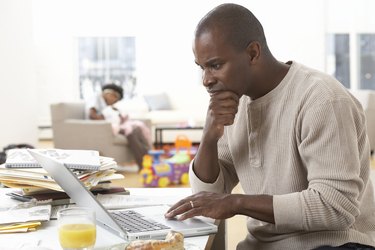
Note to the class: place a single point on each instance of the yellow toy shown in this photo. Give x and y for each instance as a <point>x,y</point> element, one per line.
<point>174,170</point>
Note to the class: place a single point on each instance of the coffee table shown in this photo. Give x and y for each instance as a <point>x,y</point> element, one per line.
<point>160,129</point>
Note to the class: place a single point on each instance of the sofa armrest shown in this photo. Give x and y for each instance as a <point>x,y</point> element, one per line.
<point>85,134</point>
<point>95,128</point>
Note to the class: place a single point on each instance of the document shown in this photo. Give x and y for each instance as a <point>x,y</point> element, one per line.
<point>19,214</point>
<point>20,227</point>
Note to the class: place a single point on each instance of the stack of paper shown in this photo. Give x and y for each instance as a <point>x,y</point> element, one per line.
<point>56,198</point>
<point>36,180</point>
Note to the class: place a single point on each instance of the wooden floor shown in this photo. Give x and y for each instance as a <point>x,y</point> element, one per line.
<point>236,226</point>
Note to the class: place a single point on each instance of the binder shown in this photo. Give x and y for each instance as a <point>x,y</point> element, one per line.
<point>74,159</point>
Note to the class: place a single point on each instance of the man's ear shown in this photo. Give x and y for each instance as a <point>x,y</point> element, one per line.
<point>253,51</point>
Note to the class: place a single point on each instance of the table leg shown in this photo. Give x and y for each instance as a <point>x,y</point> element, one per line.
<point>158,138</point>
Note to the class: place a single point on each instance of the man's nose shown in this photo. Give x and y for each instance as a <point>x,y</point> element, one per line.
<point>207,78</point>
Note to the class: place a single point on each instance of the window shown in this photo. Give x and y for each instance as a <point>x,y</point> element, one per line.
<point>106,59</point>
<point>338,57</point>
<point>367,61</point>
<point>351,59</point>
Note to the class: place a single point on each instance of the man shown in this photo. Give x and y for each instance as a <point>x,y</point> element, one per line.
<point>293,137</point>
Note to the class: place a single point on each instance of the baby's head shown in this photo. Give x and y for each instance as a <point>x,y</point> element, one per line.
<point>112,93</point>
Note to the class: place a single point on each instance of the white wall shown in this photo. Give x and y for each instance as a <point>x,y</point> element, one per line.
<point>295,30</point>
<point>18,123</point>
<point>164,32</point>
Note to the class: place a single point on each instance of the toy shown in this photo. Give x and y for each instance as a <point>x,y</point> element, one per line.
<point>159,172</point>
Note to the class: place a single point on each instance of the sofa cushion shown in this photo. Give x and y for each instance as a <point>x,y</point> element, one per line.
<point>120,140</point>
<point>158,102</point>
<point>163,117</point>
<point>71,110</point>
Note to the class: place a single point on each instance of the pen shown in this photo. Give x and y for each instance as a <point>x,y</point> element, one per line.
<point>19,197</point>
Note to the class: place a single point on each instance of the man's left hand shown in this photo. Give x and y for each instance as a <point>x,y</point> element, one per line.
<point>213,205</point>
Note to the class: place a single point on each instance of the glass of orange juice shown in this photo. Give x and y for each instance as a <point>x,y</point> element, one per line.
<point>77,228</point>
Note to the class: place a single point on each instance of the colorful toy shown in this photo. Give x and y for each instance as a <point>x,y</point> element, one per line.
<point>161,172</point>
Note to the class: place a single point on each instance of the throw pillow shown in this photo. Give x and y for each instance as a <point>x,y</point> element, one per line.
<point>158,102</point>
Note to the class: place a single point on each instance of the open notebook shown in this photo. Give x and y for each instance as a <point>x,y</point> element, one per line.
<point>119,221</point>
<point>75,159</point>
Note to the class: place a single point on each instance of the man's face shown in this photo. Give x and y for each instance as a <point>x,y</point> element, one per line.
<point>224,68</point>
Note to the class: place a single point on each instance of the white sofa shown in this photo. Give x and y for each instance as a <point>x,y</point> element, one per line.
<point>72,131</point>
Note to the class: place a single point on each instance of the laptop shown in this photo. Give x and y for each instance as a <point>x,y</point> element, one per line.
<point>118,221</point>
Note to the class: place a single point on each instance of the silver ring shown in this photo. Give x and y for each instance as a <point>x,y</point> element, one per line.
<point>191,204</point>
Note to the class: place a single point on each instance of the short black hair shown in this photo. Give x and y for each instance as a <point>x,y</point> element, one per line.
<point>237,23</point>
<point>114,87</point>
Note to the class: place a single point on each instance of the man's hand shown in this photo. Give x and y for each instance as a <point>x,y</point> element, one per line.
<point>223,206</point>
<point>216,206</point>
<point>221,112</point>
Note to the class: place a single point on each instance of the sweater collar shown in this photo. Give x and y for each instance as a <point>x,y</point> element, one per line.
<point>278,90</point>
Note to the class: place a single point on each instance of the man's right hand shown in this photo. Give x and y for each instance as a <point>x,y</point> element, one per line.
<point>221,112</point>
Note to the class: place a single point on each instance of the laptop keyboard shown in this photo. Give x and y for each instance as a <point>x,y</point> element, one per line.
<point>134,222</point>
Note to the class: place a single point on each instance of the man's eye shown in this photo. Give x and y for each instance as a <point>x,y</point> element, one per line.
<point>216,66</point>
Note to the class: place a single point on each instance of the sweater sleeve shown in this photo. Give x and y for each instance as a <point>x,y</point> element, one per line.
<point>333,146</point>
<point>197,185</point>
<point>227,178</point>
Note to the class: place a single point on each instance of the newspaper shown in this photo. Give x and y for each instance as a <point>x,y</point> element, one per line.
<point>24,213</point>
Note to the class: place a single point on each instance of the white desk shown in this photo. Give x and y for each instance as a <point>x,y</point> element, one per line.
<point>47,236</point>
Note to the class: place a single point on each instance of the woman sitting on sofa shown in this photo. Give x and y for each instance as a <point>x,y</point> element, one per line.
<point>104,107</point>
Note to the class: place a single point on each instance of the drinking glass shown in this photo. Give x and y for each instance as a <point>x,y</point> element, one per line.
<point>77,228</point>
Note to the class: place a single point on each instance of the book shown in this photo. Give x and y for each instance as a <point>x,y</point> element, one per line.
<point>20,183</point>
<point>39,181</point>
<point>74,159</point>
<point>21,174</point>
<point>62,195</point>
<point>26,183</point>
<point>107,163</point>
<point>61,198</point>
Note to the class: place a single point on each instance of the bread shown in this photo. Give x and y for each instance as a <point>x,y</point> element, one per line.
<point>173,241</point>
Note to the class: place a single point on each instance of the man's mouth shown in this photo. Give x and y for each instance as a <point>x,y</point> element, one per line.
<point>216,87</point>
<point>213,91</point>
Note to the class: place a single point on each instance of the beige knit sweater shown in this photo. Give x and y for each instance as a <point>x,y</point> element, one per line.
<point>305,143</point>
